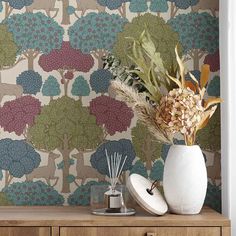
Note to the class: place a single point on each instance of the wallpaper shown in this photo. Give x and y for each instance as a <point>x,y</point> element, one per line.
<point>57,113</point>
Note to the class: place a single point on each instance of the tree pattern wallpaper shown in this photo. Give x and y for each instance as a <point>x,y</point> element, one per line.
<point>58,115</point>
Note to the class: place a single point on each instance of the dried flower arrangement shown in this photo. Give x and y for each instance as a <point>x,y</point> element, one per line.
<point>166,104</point>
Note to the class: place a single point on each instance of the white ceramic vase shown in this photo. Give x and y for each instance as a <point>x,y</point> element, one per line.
<point>185,179</point>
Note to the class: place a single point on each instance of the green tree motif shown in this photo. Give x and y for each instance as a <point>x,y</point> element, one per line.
<point>163,36</point>
<point>4,201</point>
<point>35,33</point>
<point>176,5</point>
<point>65,125</point>
<point>209,138</point>
<point>95,33</point>
<point>80,87</point>
<point>159,6</point>
<point>199,34</point>
<point>146,146</point>
<point>51,87</point>
<point>138,6</point>
<point>8,49</point>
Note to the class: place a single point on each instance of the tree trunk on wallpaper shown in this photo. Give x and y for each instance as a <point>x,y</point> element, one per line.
<point>122,10</point>
<point>65,151</point>
<point>196,55</point>
<point>65,15</point>
<point>173,10</point>
<point>65,183</point>
<point>30,63</point>
<point>8,10</point>
<point>99,54</point>
<point>66,83</point>
<point>147,151</point>
<point>31,56</point>
<point>8,178</point>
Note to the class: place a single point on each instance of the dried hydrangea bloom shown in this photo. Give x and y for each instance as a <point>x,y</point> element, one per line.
<point>180,111</point>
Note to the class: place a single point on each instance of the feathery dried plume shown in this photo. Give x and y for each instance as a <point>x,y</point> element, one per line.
<point>126,93</point>
<point>145,112</point>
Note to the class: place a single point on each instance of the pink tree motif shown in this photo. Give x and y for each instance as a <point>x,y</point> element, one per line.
<point>114,116</point>
<point>66,61</point>
<point>213,60</point>
<point>17,115</point>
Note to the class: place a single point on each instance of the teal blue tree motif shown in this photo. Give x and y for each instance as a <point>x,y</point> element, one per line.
<point>114,5</point>
<point>139,168</point>
<point>100,81</point>
<point>35,33</point>
<point>71,10</point>
<point>30,81</point>
<point>80,87</point>
<point>159,6</point>
<point>96,33</point>
<point>213,197</point>
<point>81,196</point>
<point>138,6</point>
<point>51,87</point>
<point>199,34</point>
<point>213,88</point>
<point>124,147</point>
<point>177,5</point>
<point>17,159</point>
<point>157,170</point>
<point>10,5</point>
<point>33,194</point>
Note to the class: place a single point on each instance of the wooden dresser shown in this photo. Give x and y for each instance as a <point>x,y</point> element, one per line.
<point>77,221</point>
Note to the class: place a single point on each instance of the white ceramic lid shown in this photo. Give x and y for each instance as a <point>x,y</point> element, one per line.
<point>155,203</point>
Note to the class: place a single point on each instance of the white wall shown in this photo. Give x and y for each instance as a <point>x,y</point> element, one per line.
<point>228,90</point>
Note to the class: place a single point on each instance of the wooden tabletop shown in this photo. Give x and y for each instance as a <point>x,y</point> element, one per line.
<point>79,216</point>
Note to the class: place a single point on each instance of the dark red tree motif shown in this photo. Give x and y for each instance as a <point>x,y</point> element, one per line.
<point>17,115</point>
<point>113,115</point>
<point>66,61</point>
<point>213,60</point>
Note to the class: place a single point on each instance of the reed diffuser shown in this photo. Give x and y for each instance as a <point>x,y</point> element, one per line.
<point>114,197</point>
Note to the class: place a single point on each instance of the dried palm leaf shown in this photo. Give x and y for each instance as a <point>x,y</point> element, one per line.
<point>181,67</point>
<point>205,75</point>
<point>211,102</point>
